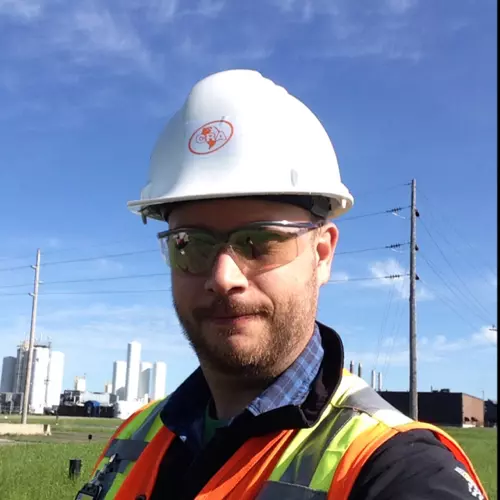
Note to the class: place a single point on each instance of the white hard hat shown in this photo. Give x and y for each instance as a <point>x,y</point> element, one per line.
<point>239,134</point>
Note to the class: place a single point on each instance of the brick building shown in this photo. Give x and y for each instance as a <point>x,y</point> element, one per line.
<point>441,407</point>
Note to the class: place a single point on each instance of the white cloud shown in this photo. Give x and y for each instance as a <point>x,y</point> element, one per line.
<point>400,6</point>
<point>24,10</point>
<point>101,325</point>
<point>339,276</point>
<point>391,267</point>
<point>487,335</point>
<point>429,349</point>
<point>360,29</point>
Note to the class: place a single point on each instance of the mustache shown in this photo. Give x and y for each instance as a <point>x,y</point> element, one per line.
<point>227,307</point>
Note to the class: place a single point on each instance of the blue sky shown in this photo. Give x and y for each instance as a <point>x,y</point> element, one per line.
<point>405,88</point>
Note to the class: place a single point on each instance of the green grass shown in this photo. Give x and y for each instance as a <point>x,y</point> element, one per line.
<point>481,447</point>
<point>38,469</point>
<point>68,429</point>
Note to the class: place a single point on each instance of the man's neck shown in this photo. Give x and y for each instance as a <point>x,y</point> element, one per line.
<point>230,394</point>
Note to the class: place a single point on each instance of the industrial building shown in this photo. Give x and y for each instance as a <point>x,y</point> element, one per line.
<point>441,407</point>
<point>159,381</point>
<point>8,372</point>
<point>145,380</point>
<point>119,379</point>
<point>137,380</point>
<point>133,371</point>
<point>47,371</point>
<point>490,413</point>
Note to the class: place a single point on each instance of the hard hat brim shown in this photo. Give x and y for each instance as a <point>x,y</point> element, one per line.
<point>340,203</point>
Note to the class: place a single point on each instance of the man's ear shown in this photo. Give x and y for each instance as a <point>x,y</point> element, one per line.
<point>326,242</point>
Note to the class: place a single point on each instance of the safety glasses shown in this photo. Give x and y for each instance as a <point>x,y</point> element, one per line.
<point>256,247</point>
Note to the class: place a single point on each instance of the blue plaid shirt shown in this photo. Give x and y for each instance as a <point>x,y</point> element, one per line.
<point>185,411</point>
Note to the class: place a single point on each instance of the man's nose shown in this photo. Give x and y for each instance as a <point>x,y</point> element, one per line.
<point>226,276</point>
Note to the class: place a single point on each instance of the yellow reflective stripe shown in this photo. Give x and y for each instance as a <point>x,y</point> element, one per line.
<point>328,463</point>
<point>155,427</point>
<point>138,420</point>
<point>349,383</point>
<point>289,454</point>
<point>313,456</point>
<point>127,433</point>
<point>118,482</point>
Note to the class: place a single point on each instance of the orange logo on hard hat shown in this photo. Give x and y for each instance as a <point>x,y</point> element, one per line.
<point>210,137</point>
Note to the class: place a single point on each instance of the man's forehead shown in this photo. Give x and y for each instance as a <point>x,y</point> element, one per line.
<point>229,213</point>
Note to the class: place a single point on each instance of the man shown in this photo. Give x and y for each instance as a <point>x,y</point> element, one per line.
<point>247,179</point>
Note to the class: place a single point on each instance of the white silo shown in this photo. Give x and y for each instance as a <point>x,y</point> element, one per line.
<point>145,379</point>
<point>119,379</point>
<point>159,380</point>
<point>133,370</point>
<point>8,374</point>
<point>55,379</point>
<point>40,372</point>
<point>108,388</point>
<point>80,384</point>
<point>21,364</point>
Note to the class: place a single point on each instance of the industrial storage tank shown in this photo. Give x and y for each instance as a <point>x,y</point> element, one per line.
<point>80,384</point>
<point>133,371</point>
<point>119,379</point>
<point>55,379</point>
<point>145,380</point>
<point>20,371</point>
<point>159,380</point>
<point>8,374</point>
<point>40,371</point>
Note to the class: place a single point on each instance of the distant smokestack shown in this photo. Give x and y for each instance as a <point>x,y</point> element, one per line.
<point>360,371</point>
<point>379,381</point>
<point>351,367</point>
<point>374,376</point>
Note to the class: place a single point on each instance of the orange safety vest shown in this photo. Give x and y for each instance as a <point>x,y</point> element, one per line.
<point>268,467</point>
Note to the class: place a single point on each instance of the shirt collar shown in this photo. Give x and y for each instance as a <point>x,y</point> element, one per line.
<point>186,406</point>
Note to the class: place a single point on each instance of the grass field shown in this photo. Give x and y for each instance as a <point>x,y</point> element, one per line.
<point>36,467</point>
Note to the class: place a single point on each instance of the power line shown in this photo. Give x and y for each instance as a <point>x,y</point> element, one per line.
<point>370,278</point>
<point>70,249</point>
<point>91,280</point>
<point>133,276</point>
<point>465,287</point>
<point>381,189</point>
<point>112,278</point>
<point>372,249</point>
<point>394,211</point>
<point>92,292</point>
<point>450,224</point>
<point>444,281</point>
<point>398,317</point>
<point>449,304</point>
<point>15,268</point>
<point>108,256</point>
<point>383,324</point>
<point>84,259</point>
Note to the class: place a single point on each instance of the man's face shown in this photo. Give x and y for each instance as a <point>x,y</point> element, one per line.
<point>245,322</point>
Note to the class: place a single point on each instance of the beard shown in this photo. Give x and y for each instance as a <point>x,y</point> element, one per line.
<point>260,349</point>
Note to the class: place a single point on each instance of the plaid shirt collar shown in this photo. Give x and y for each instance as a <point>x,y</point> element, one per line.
<point>185,410</point>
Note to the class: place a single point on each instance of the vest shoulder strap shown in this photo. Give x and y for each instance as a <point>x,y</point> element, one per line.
<point>365,445</point>
<point>115,435</point>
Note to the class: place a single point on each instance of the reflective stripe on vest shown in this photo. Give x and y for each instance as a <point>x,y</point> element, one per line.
<point>126,447</point>
<point>315,463</point>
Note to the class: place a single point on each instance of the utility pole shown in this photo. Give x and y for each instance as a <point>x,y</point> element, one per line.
<point>27,385</point>
<point>413,304</point>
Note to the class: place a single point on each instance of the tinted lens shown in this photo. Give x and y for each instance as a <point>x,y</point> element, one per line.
<point>189,251</point>
<point>253,249</point>
<point>264,248</point>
